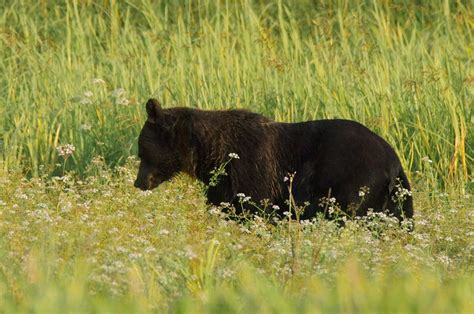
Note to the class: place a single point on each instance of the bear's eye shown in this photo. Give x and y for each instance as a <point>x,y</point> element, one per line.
<point>143,147</point>
<point>148,153</point>
<point>142,154</point>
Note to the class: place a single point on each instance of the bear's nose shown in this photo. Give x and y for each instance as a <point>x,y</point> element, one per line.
<point>138,185</point>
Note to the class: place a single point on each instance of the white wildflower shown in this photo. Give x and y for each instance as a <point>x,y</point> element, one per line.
<point>21,195</point>
<point>150,250</point>
<point>234,155</point>
<point>215,210</point>
<point>134,256</point>
<point>119,97</point>
<point>237,246</point>
<point>245,230</point>
<point>98,81</point>
<point>241,195</point>
<point>65,208</point>
<point>331,209</point>
<point>145,193</point>
<point>119,92</point>
<point>401,193</point>
<point>85,127</point>
<point>85,101</point>
<point>361,193</point>
<point>427,159</point>
<point>306,222</point>
<point>189,253</point>
<point>227,273</point>
<point>121,249</point>
<point>422,222</point>
<point>444,260</point>
<point>276,207</point>
<point>122,101</point>
<point>164,232</point>
<point>65,150</point>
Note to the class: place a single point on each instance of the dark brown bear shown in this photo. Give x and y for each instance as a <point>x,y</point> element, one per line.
<point>330,159</point>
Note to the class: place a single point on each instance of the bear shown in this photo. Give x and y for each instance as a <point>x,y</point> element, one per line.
<point>335,162</point>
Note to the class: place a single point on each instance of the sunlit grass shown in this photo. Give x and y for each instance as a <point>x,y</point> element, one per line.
<point>75,235</point>
<point>100,245</point>
<point>400,68</point>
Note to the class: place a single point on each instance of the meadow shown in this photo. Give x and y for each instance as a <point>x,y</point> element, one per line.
<point>76,236</point>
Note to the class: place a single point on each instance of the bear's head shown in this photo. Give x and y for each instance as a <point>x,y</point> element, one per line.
<point>158,148</point>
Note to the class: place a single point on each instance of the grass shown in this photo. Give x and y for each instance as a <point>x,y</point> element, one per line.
<point>98,245</point>
<point>76,236</point>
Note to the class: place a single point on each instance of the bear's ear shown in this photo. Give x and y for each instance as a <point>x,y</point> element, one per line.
<point>153,109</point>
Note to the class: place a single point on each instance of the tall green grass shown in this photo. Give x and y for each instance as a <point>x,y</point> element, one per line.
<point>403,69</point>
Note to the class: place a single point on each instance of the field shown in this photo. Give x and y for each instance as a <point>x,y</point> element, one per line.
<point>75,236</point>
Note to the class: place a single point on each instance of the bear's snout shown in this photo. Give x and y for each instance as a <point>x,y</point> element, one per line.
<point>137,184</point>
<point>149,183</point>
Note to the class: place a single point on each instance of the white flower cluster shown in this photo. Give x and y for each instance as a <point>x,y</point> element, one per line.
<point>65,150</point>
<point>215,211</point>
<point>363,191</point>
<point>145,193</point>
<point>243,198</point>
<point>234,156</point>
<point>88,94</point>
<point>119,92</point>
<point>98,81</point>
<point>401,194</point>
<point>189,253</point>
<point>85,127</point>
<point>164,232</point>
<point>86,98</point>
<point>427,159</point>
<point>332,202</point>
<point>119,97</point>
<point>329,203</point>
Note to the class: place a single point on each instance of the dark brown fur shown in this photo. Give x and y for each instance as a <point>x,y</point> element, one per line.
<point>330,157</point>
